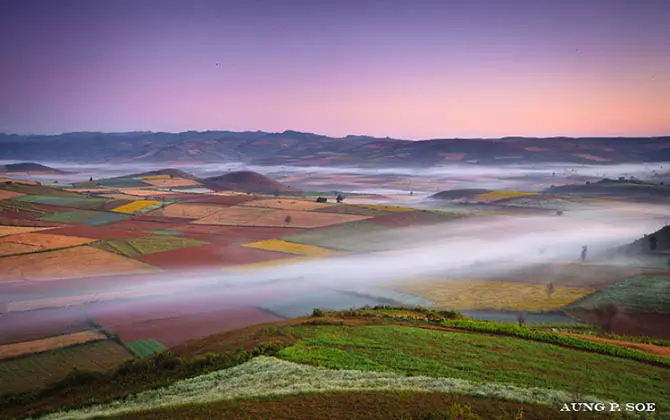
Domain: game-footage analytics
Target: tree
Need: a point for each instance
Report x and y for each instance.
(584, 252)
(653, 242)
(287, 219)
(340, 198)
(550, 289)
(559, 213)
(90, 179)
(606, 313)
(521, 318)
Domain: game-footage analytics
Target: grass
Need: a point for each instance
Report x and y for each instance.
(559, 339)
(641, 293)
(135, 247)
(38, 370)
(265, 376)
(352, 236)
(145, 348)
(486, 358)
(497, 295)
(55, 200)
(137, 206)
(279, 245)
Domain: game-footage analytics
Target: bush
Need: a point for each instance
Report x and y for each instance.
(317, 312)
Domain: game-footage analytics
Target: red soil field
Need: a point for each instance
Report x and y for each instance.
(134, 224)
(233, 234)
(209, 255)
(96, 232)
(6, 195)
(173, 331)
(636, 324)
(21, 326)
(10, 221)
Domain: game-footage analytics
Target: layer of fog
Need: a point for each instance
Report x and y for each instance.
(473, 247)
(451, 175)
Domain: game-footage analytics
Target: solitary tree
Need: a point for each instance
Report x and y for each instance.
(559, 213)
(653, 242)
(90, 179)
(287, 219)
(550, 289)
(584, 251)
(340, 198)
(521, 318)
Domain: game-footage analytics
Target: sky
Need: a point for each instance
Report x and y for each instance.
(404, 69)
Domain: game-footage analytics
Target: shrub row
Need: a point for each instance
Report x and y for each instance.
(558, 339)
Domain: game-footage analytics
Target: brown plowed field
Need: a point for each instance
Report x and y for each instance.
(15, 230)
(45, 240)
(10, 248)
(234, 216)
(301, 219)
(203, 256)
(82, 261)
(187, 210)
(287, 204)
(6, 195)
(96, 232)
(11, 221)
(636, 324)
(51, 343)
(233, 234)
(140, 192)
(224, 200)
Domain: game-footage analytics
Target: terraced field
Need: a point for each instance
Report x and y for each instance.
(476, 294)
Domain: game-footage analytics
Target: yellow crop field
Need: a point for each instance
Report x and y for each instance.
(51, 343)
(156, 177)
(267, 264)
(492, 196)
(475, 294)
(279, 245)
(135, 206)
(394, 209)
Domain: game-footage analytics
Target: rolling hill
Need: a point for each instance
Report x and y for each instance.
(246, 181)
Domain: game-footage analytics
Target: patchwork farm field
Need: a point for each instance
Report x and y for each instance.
(82, 261)
(38, 346)
(638, 294)
(144, 245)
(15, 230)
(284, 204)
(470, 294)
(33, 372)
(187, 211)
(291, 248)
(145, 348)
(138, 206)
(32, 241)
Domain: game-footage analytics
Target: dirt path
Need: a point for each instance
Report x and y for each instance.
(647, 348)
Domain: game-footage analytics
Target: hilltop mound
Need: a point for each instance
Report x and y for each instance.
(658, 241)
(29, 167)
(627, 188)
(246, 181)
(177, 173)
(459, 193)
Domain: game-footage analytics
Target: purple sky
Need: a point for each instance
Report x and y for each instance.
(410, 69)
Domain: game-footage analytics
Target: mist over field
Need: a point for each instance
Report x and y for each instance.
(406, 179)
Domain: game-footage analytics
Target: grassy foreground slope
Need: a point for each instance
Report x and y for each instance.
(385, 351)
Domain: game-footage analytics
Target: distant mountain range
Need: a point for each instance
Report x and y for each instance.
(301, 149)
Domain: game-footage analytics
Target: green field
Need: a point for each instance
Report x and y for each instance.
(38, 370)
(135, 247)
(641, 293)
(61, 201)
(478, 357)
(352, 237)
(70, 216)
(39, 190)
(144, 348)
